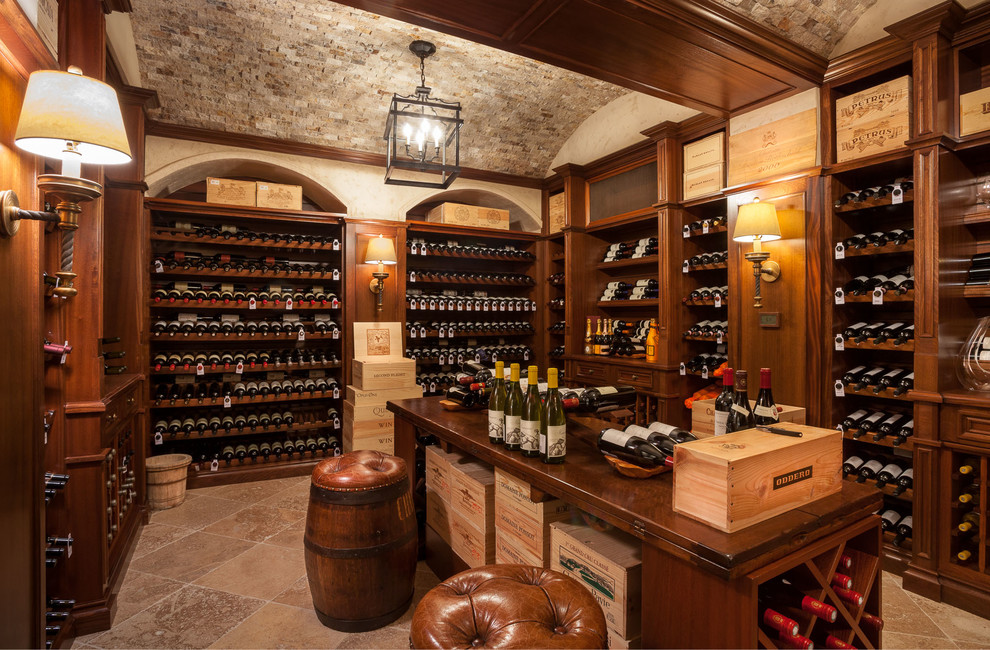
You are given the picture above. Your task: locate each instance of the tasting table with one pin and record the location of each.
(699, 583)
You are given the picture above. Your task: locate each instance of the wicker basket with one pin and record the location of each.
(167, 480)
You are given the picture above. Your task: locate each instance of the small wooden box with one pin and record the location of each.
(609, 565)
(531, 534)
(508, 550)
(230, 192)
(396, 372)
(354, 440)
(472, 493)
(384, 426)
(742, 478)
(367, 412)
(438, 514)
(438, 471)
(873, 121)
(704, 181)
(556, 212)
(359, 397)
(705, 152)
(284, 197)
(974, 112)
(476, 547)
(703, 416)
(459, 214)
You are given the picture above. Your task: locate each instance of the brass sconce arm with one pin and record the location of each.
(11, 214)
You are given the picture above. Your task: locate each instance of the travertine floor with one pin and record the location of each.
(226, 570)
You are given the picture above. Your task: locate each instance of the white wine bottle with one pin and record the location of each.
(533, 415)
(553, 436)
(513, 411)
(496, 407)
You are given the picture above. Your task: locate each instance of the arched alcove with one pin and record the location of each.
(519, 217)
(184, 182)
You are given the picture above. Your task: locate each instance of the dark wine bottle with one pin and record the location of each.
(723, 403)
(632, 448)
(741, 415)
(765, 412)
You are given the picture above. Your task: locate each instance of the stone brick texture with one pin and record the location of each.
(317, 72)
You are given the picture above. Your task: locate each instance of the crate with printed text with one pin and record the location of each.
(378, 362)
(874, 120)
(459, 214)
(472, 493)
(473, 545)
(438, 514)
(508, 550)
(703, 416)
(275, 195)
(228, 191)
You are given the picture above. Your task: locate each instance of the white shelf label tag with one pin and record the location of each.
(226, 401)
(840, 343)
(840, 251)
(682, 370)
(840, 390)
(840, 297)
(878, 296)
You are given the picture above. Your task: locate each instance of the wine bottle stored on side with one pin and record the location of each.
(632, 448)
(553, 437)
(496, 406)
(513, 411)
(533, 415)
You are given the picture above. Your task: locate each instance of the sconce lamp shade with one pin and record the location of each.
(380, 251)
(756, 221)
(72, 117)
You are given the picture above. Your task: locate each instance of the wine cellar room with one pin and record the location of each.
(366, 324)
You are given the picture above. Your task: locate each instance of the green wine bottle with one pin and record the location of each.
(496, 407)
(513, 411)
(553, 433)
(533, 416)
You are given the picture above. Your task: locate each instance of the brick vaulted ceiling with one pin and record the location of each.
(318, 72)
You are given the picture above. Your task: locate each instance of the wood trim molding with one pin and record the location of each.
(263, 143)
(884, 53)
(139, 186)
(141, 96)
(976, 26)
(944, 18)
(20, 42)
(631, 156)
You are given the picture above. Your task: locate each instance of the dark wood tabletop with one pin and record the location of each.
(642, 507)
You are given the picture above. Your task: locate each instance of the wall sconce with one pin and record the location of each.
(757, 223)
(381, 251)
(77, 119)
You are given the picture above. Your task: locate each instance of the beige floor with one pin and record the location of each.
(226, 570)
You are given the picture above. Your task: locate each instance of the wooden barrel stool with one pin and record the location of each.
(360, 541)
(508, 606)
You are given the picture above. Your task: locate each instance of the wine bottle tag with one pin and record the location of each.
(412, 332)
(200, 369)
(704, 372)
(334, 335)
(215, 465)
(840, 297)
(683, 370)
(239, 368)
(765, 411)
(414, 249)
(705, 225)
(336, 392)
(442, 359)
(840, 251)
(158, 439)
(158, 267)
(485, 308)
(739, 409)
(460, 306)
(442, 332)
(226, 401)
(252, 303)
(336, 244)
(422, 332)
(718, 338)
(433, 387)
(897, 196)
(840, 389)
(718, 300)
(686, 231)
(477, 357)
(526, 355)
(288, 304)
(878, 296)
(840, 343)
(685, 267)
(301, 335)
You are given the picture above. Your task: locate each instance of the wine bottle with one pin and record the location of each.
(676, 434)
(496, 405)
(631, 448)
(781, 594)
(588, 346)
(723, 403)
(905, 481)
(553, 436)
(533, 415)
(905, 529)
(765, 412)
(513, 411)
(653, 342)
(741, 415)
(596, 340)
(606, 398)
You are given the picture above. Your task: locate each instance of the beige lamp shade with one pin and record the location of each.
(68, 116)
(756, 221)
(381, 250)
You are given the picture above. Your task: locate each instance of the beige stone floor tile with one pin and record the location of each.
(902, 615)
(86, 639)
(295, 497)
(291, 537)
(197, 513)
(155, 536)
(390, 637)
(954, 622)
(255, 523)
(264, 571)
(281, 626)
(193, 617)
(966, 645)
(191, 557)
(297, 595)
(248, 493)
(897, 641)
(141, 590)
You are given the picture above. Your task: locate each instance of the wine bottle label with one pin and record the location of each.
(513, 429)
(765, 411)
(891, 517)
(661, 428)
(607, 390)
(873, 466)
(855, 462)
(616, 437)
(906, 474)
(530, 435)
(893, 469)
(556, 440)
(739, 409)
(721, 419)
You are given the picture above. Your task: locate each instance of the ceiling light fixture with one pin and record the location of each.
(423, 134)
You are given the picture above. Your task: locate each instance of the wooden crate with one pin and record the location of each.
(873, 121)
(284, 197)
(438, 471)
(230, 192)
(705, 152)
(359, 397)
(396, 372)
(517, 491)
(704, 181)
(460, 214)
(703, 416)
(742, 478)
(610, 565)
(472, 493)
(508, 550)
(438, 514)
(530, 533)
(557, 212)
(974, 112)
(473, 545)
(775, 139)
(383, 442)
(616, 642)
(367, 412)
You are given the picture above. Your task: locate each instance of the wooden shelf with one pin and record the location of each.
(888, 297)
(435, 361)
(615, 304)
(706, 339)
(888, 249)
(976, 214)
(874, 202)
(427, 227)
(976, 291)
(475, 283)
(703, 303)
(243, 306)
(711, 231)
(643, 217)
(176, 236)
(558, 258)
(473, 311)
(708, 267)
(271, 367)
(907, 445)
(888, 490)
(242, 401)
(884, 394)
(907, 346)
(650, 260)
(263, 215)
(256, 275)
(258, 431)
(180, 337)
(257, 470)
(434, 334)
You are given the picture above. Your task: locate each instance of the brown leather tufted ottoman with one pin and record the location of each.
(360, 541)
(508, 606)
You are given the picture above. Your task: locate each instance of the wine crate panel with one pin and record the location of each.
(473, 545)
(230, 192)
(704, 181)
(609, 565)
(616, 642)
(508, 550)
(459, 214)
(275, 195)
(518, 493)
(873, 121)
(774, 140)
(705, 152)
(383, 441)
(556, 212)
(533, 535)
(438, 514)
(472, 494)
(360, 398)
(376, 375)
(438, 464)
(740, 479)
(703, 416)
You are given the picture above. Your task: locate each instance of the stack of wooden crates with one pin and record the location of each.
(522, 525)
(460, 504)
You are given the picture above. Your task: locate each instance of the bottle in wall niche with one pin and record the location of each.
(723, 403)
(588, 345)
(653, 342)
(596, 339)
(765, 412)
(496, 405)
(741, 414)
(553, 436)
(513, 411)
(533, 415)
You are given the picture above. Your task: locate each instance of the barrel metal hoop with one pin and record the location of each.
(359, 552)
(360, 497)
